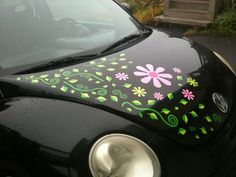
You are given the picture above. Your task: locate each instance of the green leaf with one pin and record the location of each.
(182, 131)
(140, 114)
(204, 131)
(185, 118)
(176, 108)
(183, 101)
(197, 136)
(97, 82)
(113, 84)
(192, 129)
(137, 103)
(179, 78)
(151, 102)
(109, 79)
(114, 63)
(201, 106)
(129, 109)
(64, 88)
(124, 67)
(111, 69)
(165, 111)
(180, 85)
(100, 66)
(153, 116)
(18, 78)
(105, 86)
(170, 96)
(84, 95)
(72, 91)
(99, 73)
(194, 114)
(75, 70)
(208, 118)
(101, 99)
(35, 81)
(114, 98)
(73, 81)
(57, 75)
(44, 76)
(212, 129)
(92, 62)
(104, 59)
(94, 93)
(127, 85)
(122, 59)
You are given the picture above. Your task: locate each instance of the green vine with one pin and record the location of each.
(171, 121)
(80, 88)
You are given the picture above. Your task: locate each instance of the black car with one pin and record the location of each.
(87, 91)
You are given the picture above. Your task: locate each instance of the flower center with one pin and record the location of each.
(153, 74)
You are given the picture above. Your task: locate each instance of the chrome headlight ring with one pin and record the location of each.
(120, 155)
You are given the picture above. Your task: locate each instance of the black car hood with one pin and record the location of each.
(162, 83)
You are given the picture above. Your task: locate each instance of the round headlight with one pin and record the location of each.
(119, 155)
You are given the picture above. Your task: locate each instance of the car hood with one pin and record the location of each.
(163, 83)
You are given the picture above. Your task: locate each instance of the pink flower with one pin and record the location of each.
(177, 70)
(157, 76)
(158, 96)
(122, 76)
(188, 94)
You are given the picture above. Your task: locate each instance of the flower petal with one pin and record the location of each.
(168, 76)
(142, 69)
(166, 82)
(160, 69)
(150, 67)
(156, 83)
(137, 73)
(146, 80)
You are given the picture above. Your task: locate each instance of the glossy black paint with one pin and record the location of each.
(49, 133)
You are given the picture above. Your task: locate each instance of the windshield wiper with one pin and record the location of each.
(59, 62)
(126, 40)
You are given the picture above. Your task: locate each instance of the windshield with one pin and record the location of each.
(34, 31)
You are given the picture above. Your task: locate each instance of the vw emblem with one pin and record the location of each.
(220, 102)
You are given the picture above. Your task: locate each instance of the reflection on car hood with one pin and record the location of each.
(162, 83)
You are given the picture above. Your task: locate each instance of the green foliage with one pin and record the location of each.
(226, 22)
(146, 10)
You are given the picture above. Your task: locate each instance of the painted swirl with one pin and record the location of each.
(82, 88)
(171, 121)
(120, 94)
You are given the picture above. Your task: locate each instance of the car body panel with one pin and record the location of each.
(152, 83)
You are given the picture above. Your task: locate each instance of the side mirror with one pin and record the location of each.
(127, 7)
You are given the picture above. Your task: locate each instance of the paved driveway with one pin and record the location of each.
(226, 46)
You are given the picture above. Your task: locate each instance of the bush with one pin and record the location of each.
(146, 10)
(226, 22)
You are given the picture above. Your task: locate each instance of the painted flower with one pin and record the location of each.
(177, 70)
(158, 96)
(157, 75)
(122, 76)
(192, 82)
(141, 92)
(188, 94)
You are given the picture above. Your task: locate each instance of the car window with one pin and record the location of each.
(36, 31)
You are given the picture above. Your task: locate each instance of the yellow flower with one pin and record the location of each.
(192, 82)
(141, 92)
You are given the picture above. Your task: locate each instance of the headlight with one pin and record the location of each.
(119, 155)
(225, 62)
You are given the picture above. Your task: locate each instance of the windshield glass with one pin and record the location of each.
(34, 31)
